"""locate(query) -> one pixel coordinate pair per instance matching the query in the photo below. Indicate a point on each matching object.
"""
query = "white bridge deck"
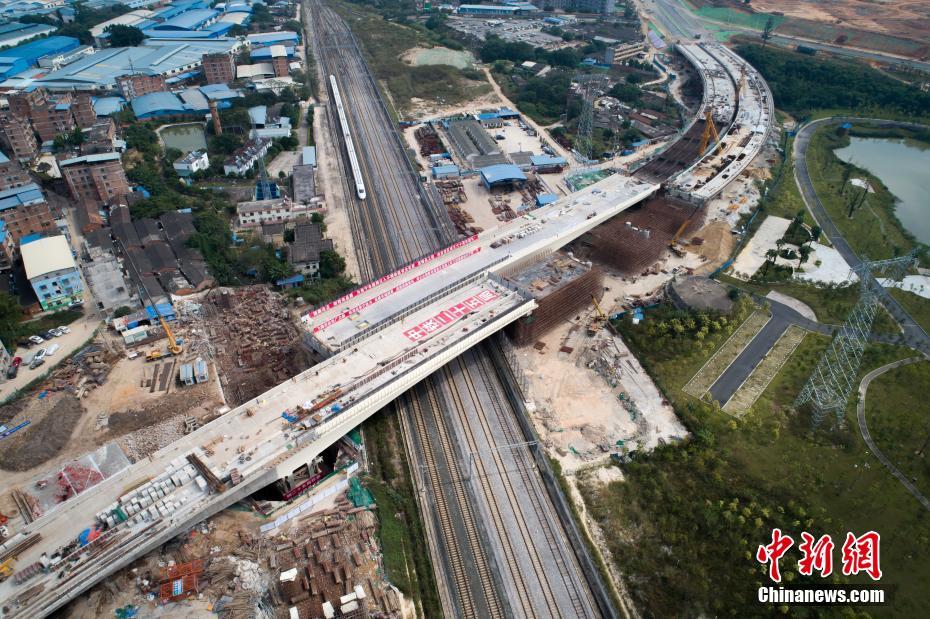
(392, 334)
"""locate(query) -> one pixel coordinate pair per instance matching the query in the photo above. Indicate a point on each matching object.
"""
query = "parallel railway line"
(397, 223)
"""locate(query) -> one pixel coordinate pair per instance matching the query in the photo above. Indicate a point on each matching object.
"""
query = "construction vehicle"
(6, 568)
(598, 320)
(710, 129)
(173, 347)
(673, 244)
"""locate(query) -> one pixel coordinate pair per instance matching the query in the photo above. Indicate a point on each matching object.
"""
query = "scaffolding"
(828, 387)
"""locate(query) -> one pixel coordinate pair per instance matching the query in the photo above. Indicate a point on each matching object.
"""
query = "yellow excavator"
(710, 129)
(173, 347)
(598, 320)
(6, 568)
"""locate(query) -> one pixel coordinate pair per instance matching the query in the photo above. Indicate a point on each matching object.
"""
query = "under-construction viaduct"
(412, 323)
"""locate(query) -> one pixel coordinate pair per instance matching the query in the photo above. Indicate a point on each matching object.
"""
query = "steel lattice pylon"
(829, 386)
(589, 87)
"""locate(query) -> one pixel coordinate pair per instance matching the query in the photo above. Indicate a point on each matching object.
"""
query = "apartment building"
(18, 138)
(136, 85)
(97, 179)
(219, 68)
(24, 211)
(12, 174)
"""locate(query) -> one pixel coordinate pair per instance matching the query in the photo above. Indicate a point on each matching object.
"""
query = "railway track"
(397, 223)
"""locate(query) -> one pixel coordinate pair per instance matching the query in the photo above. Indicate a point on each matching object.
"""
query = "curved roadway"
(864, 430)
(914, 335)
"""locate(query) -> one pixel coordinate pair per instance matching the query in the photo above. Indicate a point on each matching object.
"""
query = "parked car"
(51, 350)
(14, 367)
(36, 339)
(24, 344)
(47, 334)
(55, 332)
(64, 329)
(37, 359)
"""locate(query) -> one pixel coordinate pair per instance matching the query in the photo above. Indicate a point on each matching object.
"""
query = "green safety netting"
(359, 496)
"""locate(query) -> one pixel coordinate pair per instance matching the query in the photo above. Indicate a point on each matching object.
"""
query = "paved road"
(678, 21)
(914, 335)
(738, 371)
(864, 430)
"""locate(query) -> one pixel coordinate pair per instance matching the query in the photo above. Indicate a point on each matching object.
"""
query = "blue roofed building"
(24, 211)
(547, 163)
(264, 39)
(445, 171)
(502, 174)
(158, 104)
(12, 66)
(108, 106)
(31, 52)
(546, 198)
(488, 9)
(174, 60)
(263, 54)
(14, 33)
(188, 20)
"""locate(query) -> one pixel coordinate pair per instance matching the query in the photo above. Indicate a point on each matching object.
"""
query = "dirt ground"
(903, 18)
(579, 413)
(53, 420)
(329, 184)
(718, 243)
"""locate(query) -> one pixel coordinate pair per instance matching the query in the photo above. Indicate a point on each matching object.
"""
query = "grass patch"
(915, 305)
(892, 406)
(406, 556)
(871, 229)
(685, 523)
(756, 21)
(384, 42)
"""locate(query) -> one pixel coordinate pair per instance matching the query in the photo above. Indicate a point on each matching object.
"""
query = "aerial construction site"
(214, 460)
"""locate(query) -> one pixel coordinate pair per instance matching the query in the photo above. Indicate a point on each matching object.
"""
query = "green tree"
(10, 316)
(121, 311)
(767, 31)
(331, 264)
(124, 36)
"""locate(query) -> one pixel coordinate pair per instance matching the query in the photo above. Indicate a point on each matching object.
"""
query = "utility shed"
(186, 374)
(201, 372)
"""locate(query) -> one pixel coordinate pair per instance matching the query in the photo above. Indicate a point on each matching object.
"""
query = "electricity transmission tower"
(589, 87)
(828, 387)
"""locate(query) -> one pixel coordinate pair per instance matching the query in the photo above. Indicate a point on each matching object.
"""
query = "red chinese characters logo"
(771, 553)
(859, 554)
(817, 555)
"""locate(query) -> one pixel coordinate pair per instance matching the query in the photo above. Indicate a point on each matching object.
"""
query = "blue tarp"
(164, 309)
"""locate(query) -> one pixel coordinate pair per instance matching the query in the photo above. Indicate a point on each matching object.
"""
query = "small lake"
(185, 137)
(903, 166)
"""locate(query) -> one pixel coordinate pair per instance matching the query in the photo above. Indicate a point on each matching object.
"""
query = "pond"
(185, 137)
(902, 165)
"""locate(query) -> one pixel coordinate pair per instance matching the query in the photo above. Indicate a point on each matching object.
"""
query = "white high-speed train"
(347, 137)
